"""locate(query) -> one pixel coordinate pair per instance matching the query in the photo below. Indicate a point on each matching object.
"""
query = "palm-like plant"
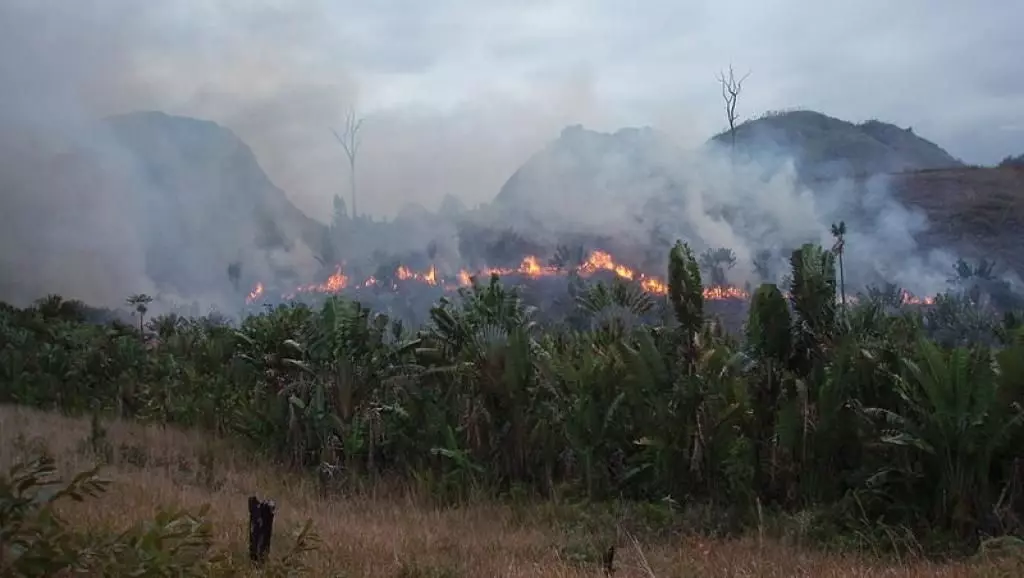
(140, 303)
(839, 233)
(952, 420)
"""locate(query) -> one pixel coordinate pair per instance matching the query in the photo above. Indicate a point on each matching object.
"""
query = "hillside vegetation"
(871, 427)
(976, 209)
(828, 147)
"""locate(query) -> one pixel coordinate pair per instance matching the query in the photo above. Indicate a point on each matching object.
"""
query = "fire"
(405, 274)
(255, 294)
(719, 293)
(531, 267)
(654, 286)
(599, 260)
(909, 298)
(334, 284)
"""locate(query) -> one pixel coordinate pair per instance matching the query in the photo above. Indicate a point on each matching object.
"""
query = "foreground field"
(377, 535)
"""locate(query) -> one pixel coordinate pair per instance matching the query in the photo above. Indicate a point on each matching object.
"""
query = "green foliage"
(872, 416)
(769, 324)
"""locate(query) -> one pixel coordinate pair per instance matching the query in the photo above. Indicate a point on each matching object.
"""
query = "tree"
(141, 303)
(839, 232)
(715, 262)
(762, 264)
(686, 295)
(731, 88)
(350, 141)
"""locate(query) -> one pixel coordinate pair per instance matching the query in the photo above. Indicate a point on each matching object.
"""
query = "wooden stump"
(261, 527)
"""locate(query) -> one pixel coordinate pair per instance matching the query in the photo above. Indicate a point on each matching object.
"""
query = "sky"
(458, 93)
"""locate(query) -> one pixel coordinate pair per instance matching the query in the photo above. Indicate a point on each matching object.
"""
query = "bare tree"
(349, 139)
(731, 88)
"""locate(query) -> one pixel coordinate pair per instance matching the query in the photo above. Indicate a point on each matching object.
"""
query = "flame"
(720, 292)
(909, 298)
(600, 260)
(405, 274)
(654, 286)
(531, 267)
(334, 284)
(255, 294)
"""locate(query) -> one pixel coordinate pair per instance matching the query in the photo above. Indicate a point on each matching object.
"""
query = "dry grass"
(375, 536)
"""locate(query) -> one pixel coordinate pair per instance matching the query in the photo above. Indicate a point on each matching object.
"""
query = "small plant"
(33, 536)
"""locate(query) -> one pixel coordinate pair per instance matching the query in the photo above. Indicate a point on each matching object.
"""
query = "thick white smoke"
(280, 75)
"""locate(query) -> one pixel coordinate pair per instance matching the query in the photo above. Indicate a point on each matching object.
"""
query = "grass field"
(384, 535)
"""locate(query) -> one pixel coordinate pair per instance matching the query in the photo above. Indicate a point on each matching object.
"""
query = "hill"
(586, 178)
(638, 179)
(162, 204)
(826, 147)
(978, 210)
(208, 203)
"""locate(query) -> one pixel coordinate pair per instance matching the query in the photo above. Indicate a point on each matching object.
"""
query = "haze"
(460, 93)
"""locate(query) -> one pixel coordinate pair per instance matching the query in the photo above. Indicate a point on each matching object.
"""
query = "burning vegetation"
(529, 268)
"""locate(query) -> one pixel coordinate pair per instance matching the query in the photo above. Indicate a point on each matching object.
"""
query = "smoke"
(279, 77)
(639, 187)
(83, 216)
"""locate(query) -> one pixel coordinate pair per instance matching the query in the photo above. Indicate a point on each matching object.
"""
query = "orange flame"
(531, 267)
(720, 292)
(909, 298)
(255, 294)
(406, 274)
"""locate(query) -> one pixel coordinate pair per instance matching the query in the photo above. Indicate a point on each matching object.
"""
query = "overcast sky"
(460, 92)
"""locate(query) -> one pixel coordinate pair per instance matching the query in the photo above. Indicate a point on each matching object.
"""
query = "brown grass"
(377, 536)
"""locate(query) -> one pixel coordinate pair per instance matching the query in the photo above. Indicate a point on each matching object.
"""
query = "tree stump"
(608, 560)
(261, 527)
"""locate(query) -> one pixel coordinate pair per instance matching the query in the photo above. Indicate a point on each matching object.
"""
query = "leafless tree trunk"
(731, 88)
(349, 139)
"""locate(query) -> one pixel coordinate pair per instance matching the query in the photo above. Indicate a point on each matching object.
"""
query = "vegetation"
(874, 423)
(378, 531)
(1013, 161)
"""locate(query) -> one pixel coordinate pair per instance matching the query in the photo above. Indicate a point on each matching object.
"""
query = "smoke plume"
(281, 78)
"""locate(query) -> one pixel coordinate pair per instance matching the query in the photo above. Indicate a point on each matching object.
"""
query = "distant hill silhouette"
(152, 202)
(827, 147)
(588, 166)
(1013, 161)
(207, 202)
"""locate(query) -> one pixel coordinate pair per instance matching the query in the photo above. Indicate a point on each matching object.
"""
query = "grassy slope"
(368, 535)
(978, 206)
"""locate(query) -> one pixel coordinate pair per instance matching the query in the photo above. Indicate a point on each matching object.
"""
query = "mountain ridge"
(824, 146)
(840, 163)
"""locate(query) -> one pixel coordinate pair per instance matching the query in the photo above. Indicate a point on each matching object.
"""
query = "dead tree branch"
(731, 89)
(350, 141)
